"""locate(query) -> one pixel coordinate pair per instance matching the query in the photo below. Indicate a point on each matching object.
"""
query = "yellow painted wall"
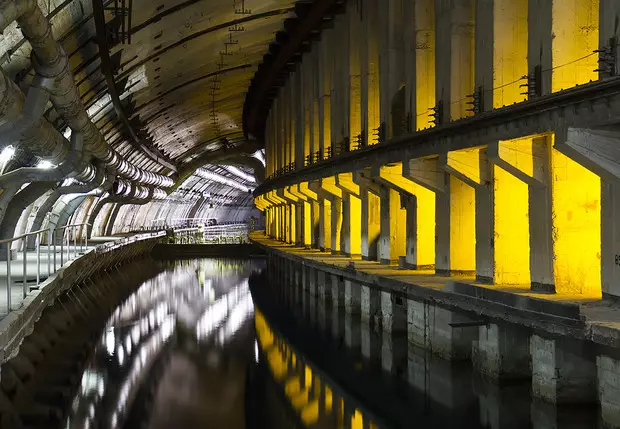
(374, 217)
(425, 61)
(577, 227)
(293, 222)
(509, 51)
(511, 230)
(576, 35)
(462, 226)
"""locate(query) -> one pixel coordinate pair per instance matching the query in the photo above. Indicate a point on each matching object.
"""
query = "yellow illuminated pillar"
(462, 58)
(325, 241)
(370, 71)
(393, 227)
(576, 36)
(512, 234)
(425, 61)
(577, 225)
(371, 224)
(462, 227)
(510, 44)
(352, 215)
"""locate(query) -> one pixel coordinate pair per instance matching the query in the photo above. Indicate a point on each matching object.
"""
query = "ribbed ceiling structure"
(135, 100)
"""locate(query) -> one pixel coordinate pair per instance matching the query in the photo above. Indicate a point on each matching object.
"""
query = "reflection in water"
(189, 350)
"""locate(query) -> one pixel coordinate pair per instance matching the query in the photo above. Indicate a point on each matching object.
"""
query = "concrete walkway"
(599, 318)
(33, 267)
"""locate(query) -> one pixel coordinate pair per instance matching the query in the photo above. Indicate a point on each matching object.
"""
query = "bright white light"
(214, 177)
(260, 155)
(6, 154)
(45, 165)
(240, 173)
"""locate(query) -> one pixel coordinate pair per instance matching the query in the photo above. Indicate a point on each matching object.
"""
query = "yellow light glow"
(576, 35)
(425, 213)
(510, 42)
(307, 223)
(425, 62)
(337, 218)
(355, 223)
(293, 222)
(512, 233)
(462, 226)
(577, 227)
(398, 227)
(327, 222)
(462, 60)
(357, 420)
(374, 217)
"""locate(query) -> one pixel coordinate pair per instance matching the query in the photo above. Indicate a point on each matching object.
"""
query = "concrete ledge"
(536, 305)
(19, 323)
(552, 317)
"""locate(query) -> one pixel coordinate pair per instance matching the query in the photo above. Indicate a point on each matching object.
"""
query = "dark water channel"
(192, 348)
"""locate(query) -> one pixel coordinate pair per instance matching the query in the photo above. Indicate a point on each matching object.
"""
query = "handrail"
(74, 225)
(19, 237)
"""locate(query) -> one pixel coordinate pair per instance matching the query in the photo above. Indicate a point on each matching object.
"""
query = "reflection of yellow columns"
(420, 223)
(575, 30)
(577, 226)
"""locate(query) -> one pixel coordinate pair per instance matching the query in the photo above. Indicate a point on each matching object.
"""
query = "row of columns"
(393, 64)
(515, 213)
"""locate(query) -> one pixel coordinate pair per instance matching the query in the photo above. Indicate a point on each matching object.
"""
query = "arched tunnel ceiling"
(182, 69)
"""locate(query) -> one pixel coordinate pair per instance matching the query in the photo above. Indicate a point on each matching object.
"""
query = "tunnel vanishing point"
(458, 159)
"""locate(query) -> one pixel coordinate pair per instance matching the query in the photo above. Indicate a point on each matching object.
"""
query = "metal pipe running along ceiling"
(53, 76)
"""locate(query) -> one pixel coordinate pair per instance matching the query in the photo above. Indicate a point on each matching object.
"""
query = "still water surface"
(192, 349)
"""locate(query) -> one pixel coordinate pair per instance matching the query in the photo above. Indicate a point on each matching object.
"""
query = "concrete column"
(610, 239)
(455, 56)
(352, 297)
(324, 88)
(336, 225)
(393, 227)
(436, 329)
(502, 352)
(608, 370)
(563, 371)
(608, 27)
(483, 50)
(391, 50)
(540, 36)
(471, 213)
(371, 225)
(370, 104)
(424, 25)
(325, 225)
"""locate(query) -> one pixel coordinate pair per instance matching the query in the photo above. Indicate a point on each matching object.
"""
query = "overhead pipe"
(50, 62)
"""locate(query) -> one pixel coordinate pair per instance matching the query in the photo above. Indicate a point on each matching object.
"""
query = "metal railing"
(51, 247)
(69, 232)
(236, 233)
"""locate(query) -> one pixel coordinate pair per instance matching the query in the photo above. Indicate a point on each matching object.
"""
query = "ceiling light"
(6, 154)
(45, 165)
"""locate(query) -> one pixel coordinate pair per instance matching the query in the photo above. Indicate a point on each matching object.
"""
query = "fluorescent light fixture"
(240, 173)
(218, 178)
(6, 154)
(45, 165)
